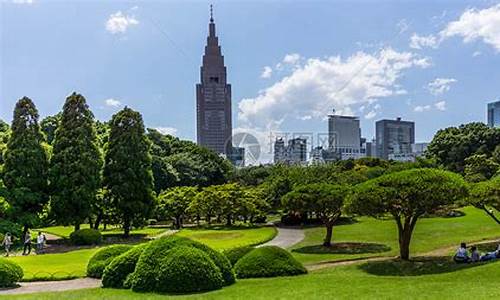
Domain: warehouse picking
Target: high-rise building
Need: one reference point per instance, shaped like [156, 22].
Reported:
[213, 98]
[394, 138]
[344, 136]
[293, 153]
[494, 114]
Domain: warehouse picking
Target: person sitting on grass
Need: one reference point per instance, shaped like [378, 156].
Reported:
[475, 256]
[7, 243]
[491, 256]
[462, 256]
[27, 243]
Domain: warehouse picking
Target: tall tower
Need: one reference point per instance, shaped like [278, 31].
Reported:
[213, 98]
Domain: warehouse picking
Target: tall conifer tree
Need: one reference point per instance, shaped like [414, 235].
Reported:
[75, 168]
[127, 170]
[26, 165]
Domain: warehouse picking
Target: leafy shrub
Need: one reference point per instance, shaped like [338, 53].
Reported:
[269, 261]
[147, 269]
[102, 258]
[236, 253]
[121, 266]
[187, 269]
[86, 237]
[14, 229]
[10, 273]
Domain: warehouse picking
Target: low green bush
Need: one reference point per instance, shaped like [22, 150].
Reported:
[236, 253]
[186, 270]
[269, 261]
[103, 258]
[147, 270]
[116, 272]
[10, 273]
[86, 236]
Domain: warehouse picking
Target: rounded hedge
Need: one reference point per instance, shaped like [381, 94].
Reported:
[186, 270]
[269, 261]
[10, 273]
[86, 236]
[102, 258]
[236, 253]
[116, 272]
[147, 269]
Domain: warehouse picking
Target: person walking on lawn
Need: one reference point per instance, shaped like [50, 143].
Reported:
[7, 243]
[40, 242]
[27, 243]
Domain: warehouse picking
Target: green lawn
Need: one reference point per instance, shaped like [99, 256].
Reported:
[222, 238]
[430, 234]
[349, 282]
[65, 231]
[55, 266]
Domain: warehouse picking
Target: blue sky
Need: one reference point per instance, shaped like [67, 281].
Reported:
[289, 62]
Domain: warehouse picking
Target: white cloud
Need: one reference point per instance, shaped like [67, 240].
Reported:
[440, 85]
[476, 53]
[23, 1]
[267, 72]
[167, 130]
[112, 102]
[441, 105]
[119, 22]
[422, 108]
[419, 42]
[371, 114]
[317, 85]
[476, 24]
[403, 26]
[291, 58]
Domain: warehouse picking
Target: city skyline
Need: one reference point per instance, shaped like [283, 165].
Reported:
[419, 63]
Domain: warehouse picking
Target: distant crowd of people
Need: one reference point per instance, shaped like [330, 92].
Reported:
[463, 256]
[41, 239]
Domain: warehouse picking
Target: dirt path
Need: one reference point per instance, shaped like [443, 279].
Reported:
[52, 286]
[286, 237]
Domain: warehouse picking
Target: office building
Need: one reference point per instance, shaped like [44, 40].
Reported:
[494, 114]
[394, 139]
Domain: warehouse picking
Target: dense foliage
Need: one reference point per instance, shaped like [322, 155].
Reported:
[10, 273]
[116, 272]
[174, 203]
[102, 258]
[86, 236]
[268, 261]
[486, 196]
[235, 254]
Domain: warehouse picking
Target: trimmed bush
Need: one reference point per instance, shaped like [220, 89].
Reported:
[86, 236]
[186, 270]
[147, 270]
[116, 272]
[102, 258]
[236, 253]
[269, 261]
[10, 273]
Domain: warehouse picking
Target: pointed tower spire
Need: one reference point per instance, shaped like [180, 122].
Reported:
[211, 13]
[211, 26]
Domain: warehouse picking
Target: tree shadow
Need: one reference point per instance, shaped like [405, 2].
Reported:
[416, 266]
[344, 248]
[486, 247]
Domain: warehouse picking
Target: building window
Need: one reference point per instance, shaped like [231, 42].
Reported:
[214, 79]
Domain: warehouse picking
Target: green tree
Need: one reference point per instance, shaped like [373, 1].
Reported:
[127, 170]
[26, 165]
[478, 167]
[49, 126]
[76, 163]
[407, 196]
[326, 201]
[174, 203]
[485, 196]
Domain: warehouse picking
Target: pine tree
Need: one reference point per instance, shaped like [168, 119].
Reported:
[75, 167]
[127, 170]
[26, 165]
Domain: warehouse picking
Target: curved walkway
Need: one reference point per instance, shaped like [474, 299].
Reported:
[52, 286]
[286, 237]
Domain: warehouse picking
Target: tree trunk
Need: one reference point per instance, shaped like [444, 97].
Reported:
[178, 222]
[77, 226]
[405, 232]
[492, 215]
[126, 227]
[328, 237]
[98, 221]
[208, 219]
[228, 223]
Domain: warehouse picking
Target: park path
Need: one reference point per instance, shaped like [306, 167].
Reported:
[52, 286]
[286, 237]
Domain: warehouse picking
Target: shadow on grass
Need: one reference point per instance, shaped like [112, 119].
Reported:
[486, 247]
[416, 267]
[344, 248]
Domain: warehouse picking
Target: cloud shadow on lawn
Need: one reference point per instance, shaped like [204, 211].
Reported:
[416, 266]
[344, 248]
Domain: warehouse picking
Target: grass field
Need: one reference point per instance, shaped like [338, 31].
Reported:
[430, 234]
[65, 231]
[222, 238]
[348, 282]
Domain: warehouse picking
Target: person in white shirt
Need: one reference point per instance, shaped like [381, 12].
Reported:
[7, 243]
[462, 255]
[40, 242]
